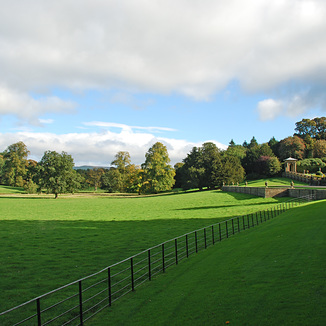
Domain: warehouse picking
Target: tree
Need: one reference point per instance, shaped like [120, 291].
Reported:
[14, 167]
[122, 163]
[158, 174]
[133, 179]
[292, 147]
[306, 127]
[319, 150]
[274, 145]
[112, 180]
[253, 142]
[274, 166]
[212, 165]
[231, 170]
[56, 173]
[193, 171]
[237, 151]
[231, 143]
[268, 166]
[311, 164]
[178, 168]
[94, 177]
[2, 162]
[315, 128]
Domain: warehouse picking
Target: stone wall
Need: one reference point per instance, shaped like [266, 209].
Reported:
[277, 192]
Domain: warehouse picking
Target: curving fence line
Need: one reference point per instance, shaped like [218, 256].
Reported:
[77, 302]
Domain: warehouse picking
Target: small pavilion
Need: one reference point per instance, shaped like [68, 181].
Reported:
[290, 164]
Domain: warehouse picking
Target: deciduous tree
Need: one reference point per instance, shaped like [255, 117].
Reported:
[15, 161]
[56, 173]
[320, 148]
[158, 173]
[292, 147]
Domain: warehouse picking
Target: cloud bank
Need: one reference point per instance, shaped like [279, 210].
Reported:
[187, 47]
[99, 148]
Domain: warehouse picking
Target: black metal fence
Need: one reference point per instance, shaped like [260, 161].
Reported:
[77, 302]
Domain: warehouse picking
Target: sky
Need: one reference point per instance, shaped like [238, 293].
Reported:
[94, 77]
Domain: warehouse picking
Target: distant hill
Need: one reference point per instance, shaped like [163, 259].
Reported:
[90, 167]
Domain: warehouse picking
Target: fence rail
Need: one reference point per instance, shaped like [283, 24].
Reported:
[77, 302]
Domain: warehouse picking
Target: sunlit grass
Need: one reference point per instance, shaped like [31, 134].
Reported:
[47, 242]
[270, 275]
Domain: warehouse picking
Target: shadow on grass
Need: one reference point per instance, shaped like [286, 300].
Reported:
[222, 206]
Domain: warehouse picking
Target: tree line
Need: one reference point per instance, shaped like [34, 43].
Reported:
[203, 167]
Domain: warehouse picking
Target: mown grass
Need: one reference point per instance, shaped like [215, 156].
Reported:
[11, 190]
[271, 275]
[273, 182]
[46, 243]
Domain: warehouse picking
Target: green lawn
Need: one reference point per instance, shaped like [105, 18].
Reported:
[11, 190]
[273, 182]
[46, 243]
[271, 275]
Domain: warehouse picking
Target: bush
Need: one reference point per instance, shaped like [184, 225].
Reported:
[30, 187]
[311, 164]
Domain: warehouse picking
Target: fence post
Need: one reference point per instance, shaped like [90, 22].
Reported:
[257, 218]
[80, 303]
[187, 248]
[132, 273]
[226, 229]
[205, 238]
[232, 226]
[196, 241]
[213, 239]
[220, 232]
[38, 309]
[252, 219]
[176, 251]
[163, 258]
[109, 286]
[238, 224]
[248, 221]
[149, 265]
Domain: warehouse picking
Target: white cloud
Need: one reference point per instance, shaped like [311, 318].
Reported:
[126, 127]
[188, 47]
[46, 121]
[29, 109]
[269, 109]
[99, 148]
[293, 103]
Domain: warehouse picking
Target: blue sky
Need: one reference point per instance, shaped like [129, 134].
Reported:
[95, 77]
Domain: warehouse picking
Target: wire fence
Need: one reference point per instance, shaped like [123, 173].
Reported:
[77, 302]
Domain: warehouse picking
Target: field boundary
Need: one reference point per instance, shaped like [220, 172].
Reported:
[77, 302]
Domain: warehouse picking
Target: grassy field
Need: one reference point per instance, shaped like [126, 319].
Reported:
[46, 243]
[271, 275]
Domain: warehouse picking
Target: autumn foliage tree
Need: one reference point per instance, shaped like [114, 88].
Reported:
[292, 147]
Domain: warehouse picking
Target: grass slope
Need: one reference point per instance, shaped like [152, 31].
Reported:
[46, 243]
[271, 275]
